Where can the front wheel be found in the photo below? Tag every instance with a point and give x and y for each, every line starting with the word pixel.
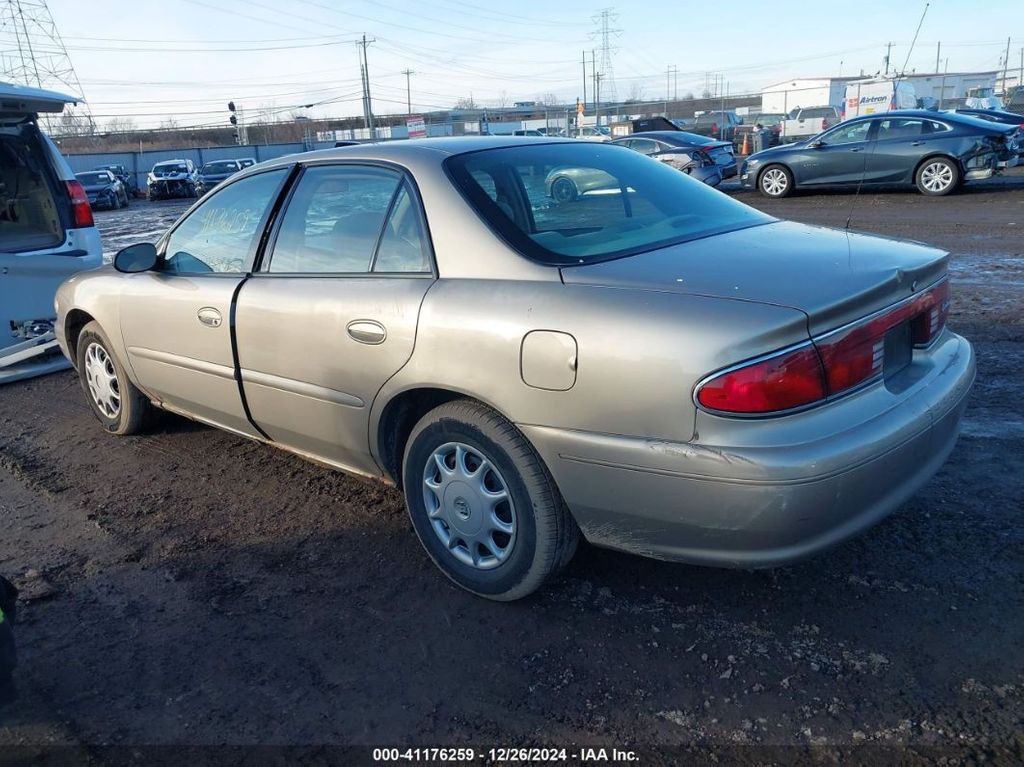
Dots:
pixel 937 177
pixel 120 407
pixel 775 181
pixel 483 503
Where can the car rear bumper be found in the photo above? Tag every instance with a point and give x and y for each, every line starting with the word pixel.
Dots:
pixel 768 504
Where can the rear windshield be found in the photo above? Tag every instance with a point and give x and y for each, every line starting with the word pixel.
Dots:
pixel 91 179
pixel 227 166
pixel 573 203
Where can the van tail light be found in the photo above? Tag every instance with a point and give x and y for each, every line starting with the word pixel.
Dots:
pixel 714 129
pixel 81 211
pixel 824 123
pixel 828 366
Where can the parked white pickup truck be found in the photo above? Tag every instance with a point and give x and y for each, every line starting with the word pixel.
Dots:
pixel 804 123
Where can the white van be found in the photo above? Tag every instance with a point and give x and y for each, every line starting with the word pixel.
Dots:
pixel 883 94
pixel 46 232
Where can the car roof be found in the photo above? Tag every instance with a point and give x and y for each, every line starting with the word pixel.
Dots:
pixel 403 150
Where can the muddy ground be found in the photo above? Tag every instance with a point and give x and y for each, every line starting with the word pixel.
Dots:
pixel 192 587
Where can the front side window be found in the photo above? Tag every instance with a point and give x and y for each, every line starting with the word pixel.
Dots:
pixel 350 220
pixel 567 204
pixel 220 236
pixel 849 134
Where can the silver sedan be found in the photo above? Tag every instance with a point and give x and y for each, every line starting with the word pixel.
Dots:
pixel 656 367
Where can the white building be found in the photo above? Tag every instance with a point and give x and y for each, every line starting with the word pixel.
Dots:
pixel 951 86
pixel 804 92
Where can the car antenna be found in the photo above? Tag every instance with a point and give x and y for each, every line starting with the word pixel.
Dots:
pixel 895 88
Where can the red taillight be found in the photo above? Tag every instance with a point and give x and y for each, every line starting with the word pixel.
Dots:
pixel 81 211
pixel 780 383
pixel 714 128
pixel 824 123
pixel 831 365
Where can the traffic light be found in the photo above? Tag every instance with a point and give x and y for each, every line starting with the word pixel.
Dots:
pixel 233 120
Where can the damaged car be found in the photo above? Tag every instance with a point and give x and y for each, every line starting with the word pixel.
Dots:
pixel 46 232
pixel 172 179
pixel 936 152
pixel 657 368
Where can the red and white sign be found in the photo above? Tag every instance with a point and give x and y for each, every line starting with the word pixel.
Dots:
pixel 417 127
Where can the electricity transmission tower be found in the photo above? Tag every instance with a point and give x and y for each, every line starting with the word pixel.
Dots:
pixel 605 32
pixel 32 53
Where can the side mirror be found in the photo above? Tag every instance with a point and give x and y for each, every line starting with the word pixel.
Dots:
pixel 817 144
pixel 136 258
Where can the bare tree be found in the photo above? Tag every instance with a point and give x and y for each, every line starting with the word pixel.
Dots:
pixel 549 99
pixel 121 125
pixel 466 102
pixel 503 99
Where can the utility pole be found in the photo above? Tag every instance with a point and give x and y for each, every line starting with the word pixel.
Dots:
pixel 888 53
pixel 408 90
pixel 364 67
pixel 1006 63
pixel 597 113
pixel 938 53
pixel 593 70
pixel 584 79
pixel 675 83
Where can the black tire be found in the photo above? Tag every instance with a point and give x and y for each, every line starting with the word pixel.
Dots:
pixel 775 181
pixel 937 176
pixel 125 203
pixel 545 534
pixel 564 190
pixel 134 411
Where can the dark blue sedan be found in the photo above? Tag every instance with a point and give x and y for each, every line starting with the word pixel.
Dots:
pixel 934 151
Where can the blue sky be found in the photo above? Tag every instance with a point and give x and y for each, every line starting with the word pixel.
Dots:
pixel 188 57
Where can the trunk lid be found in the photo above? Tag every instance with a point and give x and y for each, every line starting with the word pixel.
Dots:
pixel 833 276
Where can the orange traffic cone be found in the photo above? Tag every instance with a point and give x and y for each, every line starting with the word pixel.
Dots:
pixel 746 144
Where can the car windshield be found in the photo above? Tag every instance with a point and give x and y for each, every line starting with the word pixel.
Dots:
pixel 220 167
pixel 91 179
pixel 165 170
pixel 579 203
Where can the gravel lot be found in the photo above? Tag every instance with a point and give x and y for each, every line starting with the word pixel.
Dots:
pixel 193 587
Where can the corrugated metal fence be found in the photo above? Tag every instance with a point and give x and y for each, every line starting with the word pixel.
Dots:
pixel 141 163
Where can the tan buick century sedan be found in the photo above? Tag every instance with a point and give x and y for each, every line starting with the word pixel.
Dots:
pixel 654 365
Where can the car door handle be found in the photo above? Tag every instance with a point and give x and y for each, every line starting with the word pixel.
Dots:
pixel 209 317
pixel 857 149
pixel 917 143
pixel 367 332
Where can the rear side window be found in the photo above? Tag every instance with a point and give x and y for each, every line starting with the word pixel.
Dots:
pixel 350 220
pixel 220 236
pixel 818 112
pixel 895 129
pixel 570 204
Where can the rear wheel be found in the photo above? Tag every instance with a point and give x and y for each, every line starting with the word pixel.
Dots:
pixel 120 407
pixel 937 176
pixel 564 190
pixel 775 181
pixel 483 503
